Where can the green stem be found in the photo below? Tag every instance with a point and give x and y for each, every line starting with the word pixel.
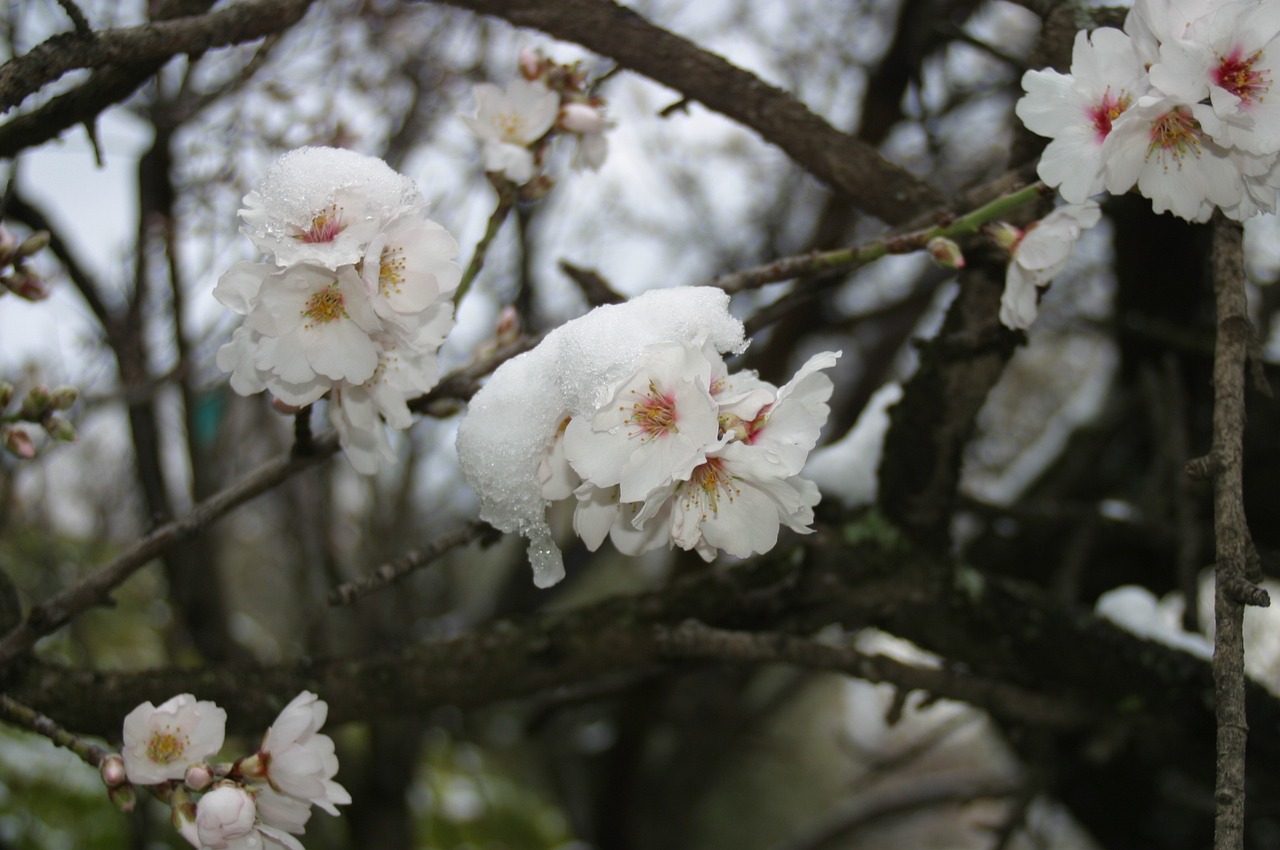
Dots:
pixel 845 259
pixel 506 200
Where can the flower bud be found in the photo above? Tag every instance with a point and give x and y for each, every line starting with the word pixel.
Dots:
pixel 18 442
pixel 36 404
pixel 1004 234
pixel 531 63
pixel 945 252
pixel 33 243
pixel 123 796
pixel 537 188
pixel 112 770
pixel 59 429
pixel 8 245
pixel 6 394
pixel 63 397
pixel 26 284
pixel 508 329
pixel 578 117
pixel 198 777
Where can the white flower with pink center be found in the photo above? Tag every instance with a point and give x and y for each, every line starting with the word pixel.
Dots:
pixel 296 760
pixel 509 122
pixel 1231 58
pixel 657 425
pixel 1038 257
pixel 161 742
pixel 324 205
pixel 1077 110
pixel 1160 145
pixel 788 427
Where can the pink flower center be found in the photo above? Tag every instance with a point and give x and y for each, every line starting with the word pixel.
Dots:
pixel 1175 133
pixel 327 305
pixel 325 227
pixel 1238 76
pixel 164 747
pixel 654 413
pixel 1107 110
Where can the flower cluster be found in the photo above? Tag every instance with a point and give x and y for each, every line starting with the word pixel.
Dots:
pixel 257 802
pixel 354 301
pixel 630 415
pixel 685 454
pixel 517 123
pixel 1175 104
pixel 16 275
pixel 41 406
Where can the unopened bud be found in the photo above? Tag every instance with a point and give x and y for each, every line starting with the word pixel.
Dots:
pixel 508 329
pixel 123 796
pixel 112 769
pixel 6 394
pixel 18 442
pixel 33 243
pixel 36 404
pixel 62 398
pixel 26 284
pixel 578 117
pixel 8 245
pixel 945 253
pixel 531 63
pixel 1004 234
pixel 251 767
pixel 198 777
pixel 59 429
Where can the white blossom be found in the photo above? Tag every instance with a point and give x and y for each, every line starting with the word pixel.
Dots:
pixel 509 121
pixel 297 760
pixel 1039 256
pixel 409 268
pixel 161 742
pixel 225 818
pixel 588 124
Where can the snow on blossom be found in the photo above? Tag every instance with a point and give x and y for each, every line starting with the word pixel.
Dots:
pixel 296 760
pixel 1039 256
pixel 161 742
pixel 514 420
pixel 323 205
pixel 355 302
pixel 1077 110
pixel 509 121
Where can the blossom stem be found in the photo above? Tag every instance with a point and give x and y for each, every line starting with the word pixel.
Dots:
pixel 27 717
pixel 846 259
pixel 506 200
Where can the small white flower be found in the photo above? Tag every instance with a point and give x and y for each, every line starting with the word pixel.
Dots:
pixel 1077 110
pixel 588 123
pixel 657 425
pixel 509 121
pixel 1039 256
pixel 323 205
pixel 409 268
pixel 160 742
pixel 788 427
pixel 295 759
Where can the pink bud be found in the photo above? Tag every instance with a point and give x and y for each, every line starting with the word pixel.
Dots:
pixel 198 777
pixel 123 796
pixel 112 770
pixel 508 325
pixel 18 442
pixel 945 253
pixel 578 117
pixel 531 63
pixel 25 283
pixel 8 244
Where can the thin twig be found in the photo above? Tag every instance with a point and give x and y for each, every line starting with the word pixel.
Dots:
pixel 78 19
pixel 506 200
pixel 28 718
pixel 411 561
pixel 1233 547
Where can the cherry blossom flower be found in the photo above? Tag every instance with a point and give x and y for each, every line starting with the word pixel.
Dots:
pixel 1077 110
pixel 160 742
pixel 409 267
pixel 656 426
pixel 1160 145
pixel 323 205
pixel 788 427
pixel 509 121
pixel 1151 23
pixel 1231 58
pixel 295 759
pixel 1039 256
